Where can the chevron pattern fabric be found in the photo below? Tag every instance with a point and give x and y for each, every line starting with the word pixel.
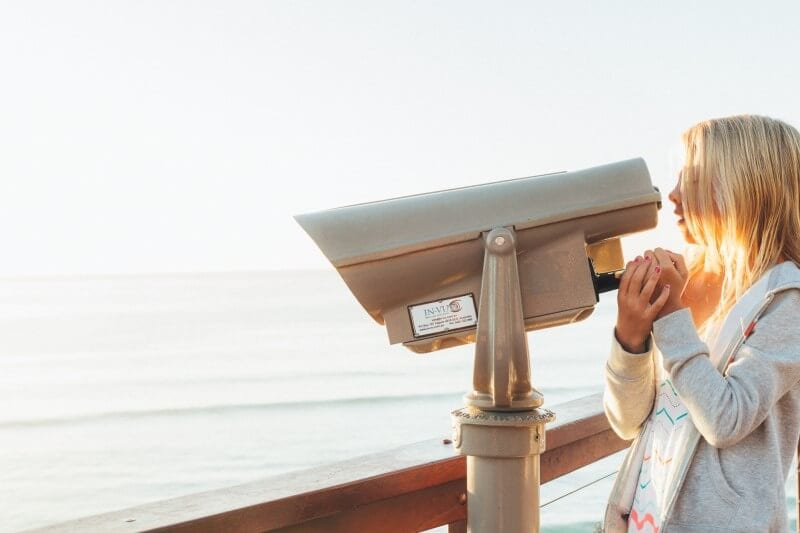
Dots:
pixel 667 421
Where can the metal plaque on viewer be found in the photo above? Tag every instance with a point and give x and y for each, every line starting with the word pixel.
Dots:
pixel 443 315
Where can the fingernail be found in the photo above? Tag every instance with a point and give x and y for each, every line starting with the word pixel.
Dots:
pixel 647 258
pixel 658 269
pixel 666 286
pixel 637 259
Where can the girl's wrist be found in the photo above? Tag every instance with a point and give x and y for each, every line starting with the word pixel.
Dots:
pixel 669 308
pixel 631 343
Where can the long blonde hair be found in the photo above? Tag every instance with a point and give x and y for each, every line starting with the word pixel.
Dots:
pixel 740 190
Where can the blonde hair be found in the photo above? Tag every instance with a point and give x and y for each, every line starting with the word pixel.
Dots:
pixel 740 191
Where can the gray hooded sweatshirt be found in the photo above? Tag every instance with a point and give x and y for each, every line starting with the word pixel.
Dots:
pixel 748 417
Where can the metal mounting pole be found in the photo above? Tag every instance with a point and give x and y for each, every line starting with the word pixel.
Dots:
pixel 501 431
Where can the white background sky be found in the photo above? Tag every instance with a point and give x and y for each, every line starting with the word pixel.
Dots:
pixel 183 135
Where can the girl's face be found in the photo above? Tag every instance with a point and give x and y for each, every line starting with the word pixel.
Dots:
pixel 675 198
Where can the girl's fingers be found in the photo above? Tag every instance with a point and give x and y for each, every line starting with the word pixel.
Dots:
pixel 652 263
pixel 652 311
pixel 625 281
pixel 664 260
pixel 679 262
pixel 637 277
pixel 650 285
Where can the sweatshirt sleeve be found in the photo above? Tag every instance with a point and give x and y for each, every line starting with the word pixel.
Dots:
pixel 727 408
pixel 629 389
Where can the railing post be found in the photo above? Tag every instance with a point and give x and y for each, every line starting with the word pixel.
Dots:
pixel 503 471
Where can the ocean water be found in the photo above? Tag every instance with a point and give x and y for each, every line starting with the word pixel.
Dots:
pixel 117 391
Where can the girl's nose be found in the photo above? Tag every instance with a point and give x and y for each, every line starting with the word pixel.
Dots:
pixel 675 194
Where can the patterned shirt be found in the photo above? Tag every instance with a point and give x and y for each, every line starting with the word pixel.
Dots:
pixel 667 422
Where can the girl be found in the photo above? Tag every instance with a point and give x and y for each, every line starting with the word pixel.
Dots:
pixel 704 370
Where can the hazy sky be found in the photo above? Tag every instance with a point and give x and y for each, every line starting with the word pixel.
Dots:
pixel 183 135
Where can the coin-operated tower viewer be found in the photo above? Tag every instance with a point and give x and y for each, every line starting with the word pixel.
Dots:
pixel 485 264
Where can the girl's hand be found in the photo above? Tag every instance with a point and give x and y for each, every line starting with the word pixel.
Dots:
pixel 674 274
pixel 635 311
